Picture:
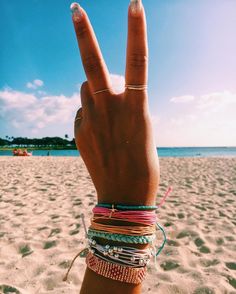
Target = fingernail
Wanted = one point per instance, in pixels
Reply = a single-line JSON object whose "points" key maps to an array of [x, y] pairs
{"points": [[135, 6], [76, 12]]}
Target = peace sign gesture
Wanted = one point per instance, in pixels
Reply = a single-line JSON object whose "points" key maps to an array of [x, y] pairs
{"points": [[113, 131]]}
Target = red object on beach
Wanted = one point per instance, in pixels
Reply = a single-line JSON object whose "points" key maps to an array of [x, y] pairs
{"points": [[20, 153]]}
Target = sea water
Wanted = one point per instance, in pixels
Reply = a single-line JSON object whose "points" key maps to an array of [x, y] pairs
{"points": [[162, 152]]}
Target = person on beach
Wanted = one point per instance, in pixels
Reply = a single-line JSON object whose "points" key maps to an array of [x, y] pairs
{"points": [[114, 136]]}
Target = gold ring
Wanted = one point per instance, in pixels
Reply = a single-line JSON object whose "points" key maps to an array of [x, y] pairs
{"points": [[79, 117], [101, 91], [136, 87]]}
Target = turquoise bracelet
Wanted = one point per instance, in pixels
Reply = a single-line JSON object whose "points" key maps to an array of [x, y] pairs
{"points": [[127, 207], [121, 238]]}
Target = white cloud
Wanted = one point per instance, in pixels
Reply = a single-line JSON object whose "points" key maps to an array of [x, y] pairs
{"points": [[40, 114], [207, 120], [30, 113], [182, 99], [35, 84], [118, 83]]}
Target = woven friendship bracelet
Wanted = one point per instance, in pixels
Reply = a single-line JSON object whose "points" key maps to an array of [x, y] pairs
{"points": [[115, 271], [122, 238]]}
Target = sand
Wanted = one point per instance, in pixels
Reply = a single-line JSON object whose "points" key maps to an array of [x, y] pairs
{"points": [[41, 201]]}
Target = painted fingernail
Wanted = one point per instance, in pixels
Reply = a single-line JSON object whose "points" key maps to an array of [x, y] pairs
{"points": [[76, 12], [135, 6]]}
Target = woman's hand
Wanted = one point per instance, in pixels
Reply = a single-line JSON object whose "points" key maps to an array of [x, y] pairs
{"points": [[113, 132]]}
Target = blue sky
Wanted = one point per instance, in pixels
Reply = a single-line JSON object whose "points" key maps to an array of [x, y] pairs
{"points": [[192, 71]]}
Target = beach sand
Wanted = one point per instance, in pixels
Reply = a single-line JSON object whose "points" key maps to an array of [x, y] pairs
{"points": [[41, 201]]}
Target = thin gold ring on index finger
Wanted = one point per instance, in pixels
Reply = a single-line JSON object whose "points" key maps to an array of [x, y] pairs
{"points": [[101, 91]]}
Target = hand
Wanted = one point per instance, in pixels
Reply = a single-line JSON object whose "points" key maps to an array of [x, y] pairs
{"points": [[114, 135]]}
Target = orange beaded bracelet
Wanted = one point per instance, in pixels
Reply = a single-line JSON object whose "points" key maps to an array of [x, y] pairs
{"points": [[115, 271]]}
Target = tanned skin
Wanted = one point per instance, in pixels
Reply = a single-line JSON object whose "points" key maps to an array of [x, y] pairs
{"points": [[115, 136]]}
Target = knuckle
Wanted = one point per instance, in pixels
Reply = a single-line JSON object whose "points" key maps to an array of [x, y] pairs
{"points": [[138, 60], [83, 87], [92, 63], [81, 31]]}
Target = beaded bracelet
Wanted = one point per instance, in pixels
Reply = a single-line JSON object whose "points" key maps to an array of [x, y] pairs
{"points": [[115, 271], [120, 254], [121, 238]]}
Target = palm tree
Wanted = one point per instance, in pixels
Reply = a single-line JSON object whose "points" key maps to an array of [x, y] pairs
{"points": [[66, 136]]}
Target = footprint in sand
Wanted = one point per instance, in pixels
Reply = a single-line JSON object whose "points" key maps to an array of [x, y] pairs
{"points": [[6, 289], [168, 224], [54, 232], [76, 230], [186, 233], [64, 264], [199, 242], [169, 265], [49, 244], [204, 249], [25, 250], [207, 263], [232, 281], [204, 290], [219, 241], [231, 265], [172, 243], [181, 215]]}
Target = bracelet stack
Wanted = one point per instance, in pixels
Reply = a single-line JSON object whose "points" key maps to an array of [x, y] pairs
{"points": [[113, 236], [131, 225]]}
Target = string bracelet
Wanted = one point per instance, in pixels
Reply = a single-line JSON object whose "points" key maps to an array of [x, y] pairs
{"points": [[122, 255], [121, 238], [127, 207], [115, 271], [134, 216], [125, 230], [135, 207], [124, 264]]}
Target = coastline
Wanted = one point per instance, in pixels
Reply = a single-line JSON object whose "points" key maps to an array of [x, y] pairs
{"points": [[162, 152], [41, 200]]}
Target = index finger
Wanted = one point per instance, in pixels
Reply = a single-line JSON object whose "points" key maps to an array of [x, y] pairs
{"points": [[92, 59], [137, 48]]}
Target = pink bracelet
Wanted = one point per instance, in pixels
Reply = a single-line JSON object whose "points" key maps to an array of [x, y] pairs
{"points": [[143, 217], [115, 271]]}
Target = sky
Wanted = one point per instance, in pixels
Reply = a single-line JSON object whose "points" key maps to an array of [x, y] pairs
{"points": [[192, 67]]}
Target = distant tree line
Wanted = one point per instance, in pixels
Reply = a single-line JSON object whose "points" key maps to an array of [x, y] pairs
{"points": [[46, 142]]}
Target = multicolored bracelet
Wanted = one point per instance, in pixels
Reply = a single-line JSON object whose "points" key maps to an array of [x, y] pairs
{"points": [[115, 271]]}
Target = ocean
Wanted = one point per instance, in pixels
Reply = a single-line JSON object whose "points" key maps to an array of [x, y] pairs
{"points": [[162, 152]]}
